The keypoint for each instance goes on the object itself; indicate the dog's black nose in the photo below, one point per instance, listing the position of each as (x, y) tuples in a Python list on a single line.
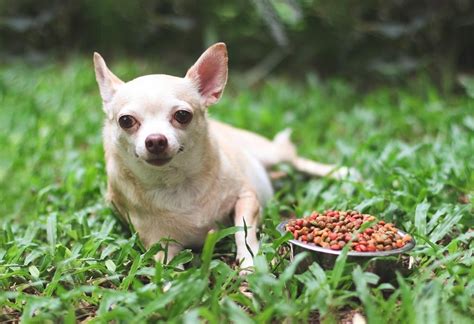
[(156, 143)]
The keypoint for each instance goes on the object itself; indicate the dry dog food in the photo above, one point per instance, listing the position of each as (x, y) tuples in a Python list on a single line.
[(334, 229)]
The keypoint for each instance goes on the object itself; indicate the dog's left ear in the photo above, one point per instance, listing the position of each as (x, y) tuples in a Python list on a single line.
[(209, 73)]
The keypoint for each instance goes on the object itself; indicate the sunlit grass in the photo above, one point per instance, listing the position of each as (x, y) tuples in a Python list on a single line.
[(64, 256)]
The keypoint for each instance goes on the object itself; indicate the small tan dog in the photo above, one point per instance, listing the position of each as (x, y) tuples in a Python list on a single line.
[(177, 174)]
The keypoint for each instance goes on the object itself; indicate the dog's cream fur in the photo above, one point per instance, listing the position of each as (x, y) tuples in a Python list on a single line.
[(217, 173)]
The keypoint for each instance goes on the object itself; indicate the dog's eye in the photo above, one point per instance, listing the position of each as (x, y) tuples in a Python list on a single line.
[(127, 121), (183, 116)]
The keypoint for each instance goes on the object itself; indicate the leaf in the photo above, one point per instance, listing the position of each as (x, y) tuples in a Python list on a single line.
[(235, 314), (318, 272), (70, 317), (428, 304), (51, 287), (468, 121), (131, 274), (260, 264), (361, 280), (30, 257), (312, 193), (51, 232), (336, 272), (408, 307), (386, 286), (246, 234), (183, 257), (290, 270), (420, 217), (435, 218), (367, 203), (108, 251), (110, 265), (159, 268), (371, 278), (212, 238), (34, 271), (155, 248), (191, 317), (468, 83), (447, 224), (282, 239)]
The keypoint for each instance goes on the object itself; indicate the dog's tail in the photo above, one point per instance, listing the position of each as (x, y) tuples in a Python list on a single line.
[(287, 153), (286, 149)]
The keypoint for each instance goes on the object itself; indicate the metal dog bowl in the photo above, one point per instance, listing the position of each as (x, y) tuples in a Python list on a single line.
[(382, 263)]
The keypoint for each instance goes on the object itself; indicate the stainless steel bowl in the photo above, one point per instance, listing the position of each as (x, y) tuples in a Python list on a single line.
[(383, 263)]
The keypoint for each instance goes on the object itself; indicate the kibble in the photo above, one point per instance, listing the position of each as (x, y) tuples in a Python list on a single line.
[(334, 229)]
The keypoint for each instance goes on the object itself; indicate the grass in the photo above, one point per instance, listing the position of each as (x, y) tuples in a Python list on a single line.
[(64, 257)]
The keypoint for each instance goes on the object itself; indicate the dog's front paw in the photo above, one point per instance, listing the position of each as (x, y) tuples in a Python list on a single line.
[(345, 173), (246, 266)]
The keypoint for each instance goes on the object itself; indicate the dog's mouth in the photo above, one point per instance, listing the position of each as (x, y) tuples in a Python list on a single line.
[(159, 161)]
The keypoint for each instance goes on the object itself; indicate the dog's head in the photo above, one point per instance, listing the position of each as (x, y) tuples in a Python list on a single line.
[(155, 117)]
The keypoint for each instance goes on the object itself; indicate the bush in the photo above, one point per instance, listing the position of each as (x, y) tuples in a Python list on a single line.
[(373, 38)]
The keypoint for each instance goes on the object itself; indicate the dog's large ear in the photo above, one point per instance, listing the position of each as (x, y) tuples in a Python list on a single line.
[(108, 82), (209, 73)]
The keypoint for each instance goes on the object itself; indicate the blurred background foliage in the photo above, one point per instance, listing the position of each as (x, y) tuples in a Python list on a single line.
[(373, 40)]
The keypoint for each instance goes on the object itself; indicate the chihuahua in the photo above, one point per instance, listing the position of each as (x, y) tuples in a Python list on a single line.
[(175, 173)]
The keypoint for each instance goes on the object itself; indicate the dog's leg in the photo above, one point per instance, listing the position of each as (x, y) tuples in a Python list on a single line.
[(247, 209)]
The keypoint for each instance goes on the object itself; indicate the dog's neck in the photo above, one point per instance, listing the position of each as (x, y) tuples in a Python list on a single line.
[(195, 163)]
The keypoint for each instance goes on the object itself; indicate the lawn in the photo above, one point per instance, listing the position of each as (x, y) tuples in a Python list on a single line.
[(64, 256)]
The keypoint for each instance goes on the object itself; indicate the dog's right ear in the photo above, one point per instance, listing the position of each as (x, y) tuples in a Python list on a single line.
[(108, 82)]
